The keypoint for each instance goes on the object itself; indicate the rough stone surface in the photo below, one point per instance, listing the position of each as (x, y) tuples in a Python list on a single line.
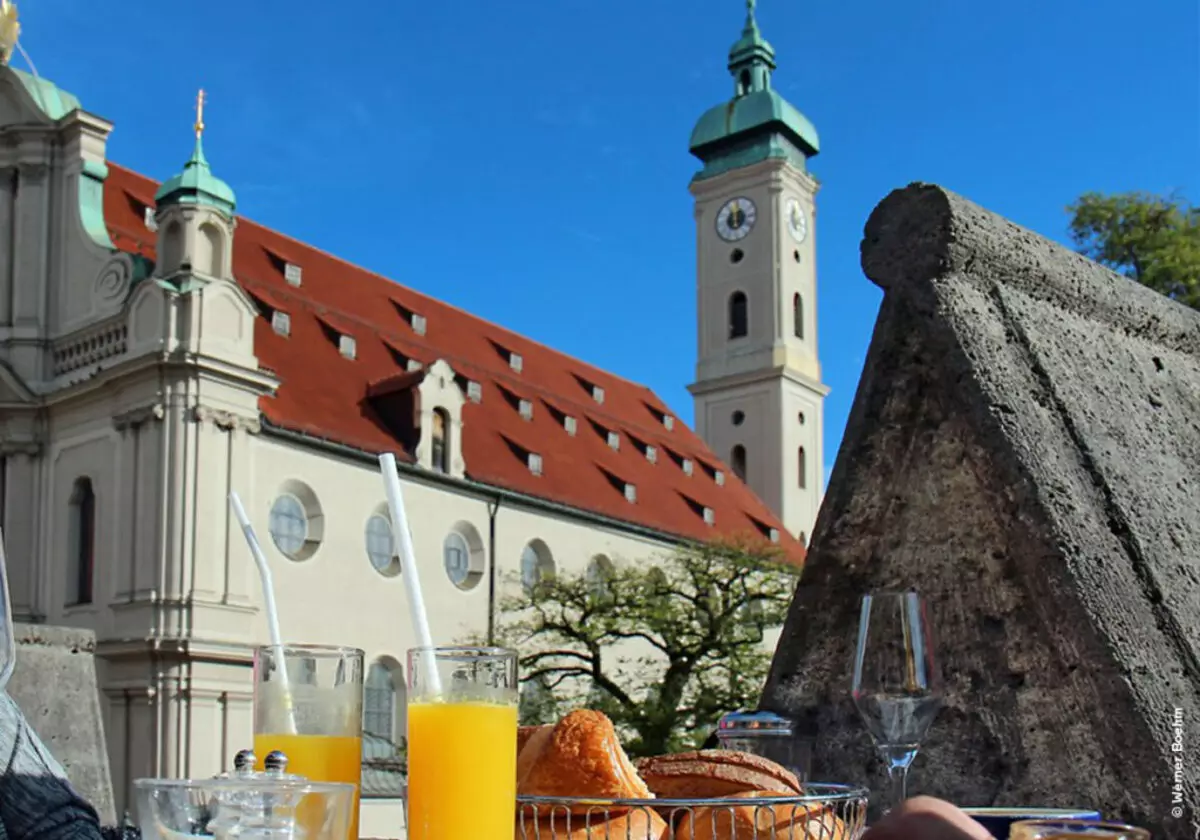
[(54, 683), (1024, 450)]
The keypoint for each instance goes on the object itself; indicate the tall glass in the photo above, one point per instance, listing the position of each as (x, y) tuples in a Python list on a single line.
[(308, 704), (896, 687), (462, 744), (1075, 830)]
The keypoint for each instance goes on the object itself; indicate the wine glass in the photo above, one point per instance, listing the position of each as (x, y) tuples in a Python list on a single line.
[(897, 687)]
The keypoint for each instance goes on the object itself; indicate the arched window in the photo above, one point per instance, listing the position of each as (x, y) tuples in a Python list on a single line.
[(537, 565), (738, 316), (798, 315), (379, 703), (211, 256), (802, 463), (600, 574), (441, 440), (737, 461), (81, 547)]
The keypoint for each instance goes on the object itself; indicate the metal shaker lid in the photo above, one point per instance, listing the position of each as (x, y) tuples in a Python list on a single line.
[(754, 723)]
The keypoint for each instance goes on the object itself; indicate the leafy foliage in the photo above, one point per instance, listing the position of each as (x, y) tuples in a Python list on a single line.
[(1154, 240), (664, 649)]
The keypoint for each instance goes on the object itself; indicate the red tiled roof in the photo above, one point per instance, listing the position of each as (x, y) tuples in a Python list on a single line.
[(324, 394)]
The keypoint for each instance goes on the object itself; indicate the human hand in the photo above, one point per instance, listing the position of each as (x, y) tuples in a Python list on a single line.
[(926, 818)]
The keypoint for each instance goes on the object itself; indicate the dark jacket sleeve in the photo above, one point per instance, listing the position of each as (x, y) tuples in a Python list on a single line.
[(36, 800)]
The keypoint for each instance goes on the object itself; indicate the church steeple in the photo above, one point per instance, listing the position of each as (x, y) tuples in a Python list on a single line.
[(195, 216), (757, 123), (196, 184), (752, 58)]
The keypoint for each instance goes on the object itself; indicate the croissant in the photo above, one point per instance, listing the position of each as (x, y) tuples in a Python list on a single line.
[(579, 756)]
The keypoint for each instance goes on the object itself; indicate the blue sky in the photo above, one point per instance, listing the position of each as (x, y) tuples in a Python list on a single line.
[(527, 160)]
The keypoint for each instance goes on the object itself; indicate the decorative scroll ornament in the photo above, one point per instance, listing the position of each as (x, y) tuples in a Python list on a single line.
[(113, 281)]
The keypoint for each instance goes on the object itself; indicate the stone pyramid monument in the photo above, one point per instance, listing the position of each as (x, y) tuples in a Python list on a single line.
[(1024, 450)]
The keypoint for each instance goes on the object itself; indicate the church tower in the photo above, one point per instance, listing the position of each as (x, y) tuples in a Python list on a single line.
[(759, 400)]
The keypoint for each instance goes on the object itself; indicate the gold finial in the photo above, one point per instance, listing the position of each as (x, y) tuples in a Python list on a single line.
[(10, 30), (199, 113)]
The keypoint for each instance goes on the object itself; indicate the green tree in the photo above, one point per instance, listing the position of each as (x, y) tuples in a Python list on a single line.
[(663, 648), (1154, 240)]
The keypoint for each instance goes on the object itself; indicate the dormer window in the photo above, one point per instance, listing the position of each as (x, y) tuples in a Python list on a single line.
[(149, 220), (281, 323), (719, 477), (630, 493), (598, 394), (347, 346), (614, 441), (652, 454), (293, 274), (413, 319), (474, 391), (440, 440), (535, 463), (515, 362), (412, 364), (774, 535), (687, 467), (668, 422), (709, 516), (525, 407), (571, 425)]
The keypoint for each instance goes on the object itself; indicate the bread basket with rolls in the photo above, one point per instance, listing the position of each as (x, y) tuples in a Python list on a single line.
[(575, 782)]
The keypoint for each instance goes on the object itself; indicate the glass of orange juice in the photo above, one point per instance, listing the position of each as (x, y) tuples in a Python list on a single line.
[(1075, 830), (462, 743), (308, 705)]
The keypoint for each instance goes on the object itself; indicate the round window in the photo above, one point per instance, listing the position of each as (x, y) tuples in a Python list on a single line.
[(381, 547), (289, 525)]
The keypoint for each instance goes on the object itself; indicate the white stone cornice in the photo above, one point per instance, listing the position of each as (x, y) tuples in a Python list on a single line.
[(226, 420), (137, 416), (32, 448)]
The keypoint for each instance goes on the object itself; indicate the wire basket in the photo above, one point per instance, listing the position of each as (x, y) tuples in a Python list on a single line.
[(823, 812)]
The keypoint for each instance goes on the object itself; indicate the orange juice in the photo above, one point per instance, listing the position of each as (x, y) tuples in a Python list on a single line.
[(462, 771), (319, 758)]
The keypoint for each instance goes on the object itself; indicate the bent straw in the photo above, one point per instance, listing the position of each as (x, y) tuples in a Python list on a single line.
[(412, 578), (268, 587)]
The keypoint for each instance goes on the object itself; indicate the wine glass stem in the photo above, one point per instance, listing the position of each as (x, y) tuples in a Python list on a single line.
[(898, 759), (899, 784)]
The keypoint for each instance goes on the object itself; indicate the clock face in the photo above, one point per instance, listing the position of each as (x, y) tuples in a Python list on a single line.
[(735, 219), (797, 222)]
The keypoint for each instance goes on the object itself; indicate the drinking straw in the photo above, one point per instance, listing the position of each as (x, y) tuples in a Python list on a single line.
[(268, 587), (412, 578)]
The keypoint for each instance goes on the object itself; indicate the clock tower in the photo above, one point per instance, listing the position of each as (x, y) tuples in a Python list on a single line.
[(759, 399)]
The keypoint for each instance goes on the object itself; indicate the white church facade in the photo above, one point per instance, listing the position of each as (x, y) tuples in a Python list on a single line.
[(157, 352)]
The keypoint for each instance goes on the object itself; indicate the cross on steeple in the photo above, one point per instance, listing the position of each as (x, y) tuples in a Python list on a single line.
[(200, 110)]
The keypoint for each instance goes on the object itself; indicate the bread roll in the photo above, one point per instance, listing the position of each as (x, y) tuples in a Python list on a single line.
[(761, 822), (578, 757), (711, 774), (637, 824)]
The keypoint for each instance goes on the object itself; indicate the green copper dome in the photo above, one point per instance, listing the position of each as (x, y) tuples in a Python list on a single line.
[(197, 185), (757, 124)]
